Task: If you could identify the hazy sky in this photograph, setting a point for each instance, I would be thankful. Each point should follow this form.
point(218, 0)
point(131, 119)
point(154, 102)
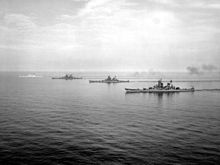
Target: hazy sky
point(159, 35)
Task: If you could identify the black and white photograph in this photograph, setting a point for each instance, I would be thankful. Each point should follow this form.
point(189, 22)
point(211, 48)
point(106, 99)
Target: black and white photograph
point(109, 82)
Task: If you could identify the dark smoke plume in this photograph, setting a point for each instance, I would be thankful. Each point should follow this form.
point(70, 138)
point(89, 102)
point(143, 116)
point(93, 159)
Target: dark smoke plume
point(193, 70)
point(209, 67)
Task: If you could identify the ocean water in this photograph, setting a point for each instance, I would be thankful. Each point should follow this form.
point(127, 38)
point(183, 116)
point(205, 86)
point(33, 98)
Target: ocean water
point(45, 121)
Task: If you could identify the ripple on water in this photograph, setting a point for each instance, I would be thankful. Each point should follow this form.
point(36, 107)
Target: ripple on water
point(63, 123)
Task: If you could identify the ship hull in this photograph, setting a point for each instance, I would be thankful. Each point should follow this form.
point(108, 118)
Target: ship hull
point(104, 81)
point(130, 90)
point(63, 78)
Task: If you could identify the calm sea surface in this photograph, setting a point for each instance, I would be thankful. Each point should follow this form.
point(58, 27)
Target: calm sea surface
point(45, 121)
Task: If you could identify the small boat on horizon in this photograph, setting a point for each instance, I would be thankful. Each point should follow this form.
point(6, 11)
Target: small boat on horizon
point(67, 77)
point(160, 88)
point(109, 80)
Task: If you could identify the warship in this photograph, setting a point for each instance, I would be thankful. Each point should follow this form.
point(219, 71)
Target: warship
point(109, 80)
point(160, 88)
point(67, 77)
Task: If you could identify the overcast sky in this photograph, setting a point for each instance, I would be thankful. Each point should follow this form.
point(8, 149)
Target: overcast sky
point(159, 35)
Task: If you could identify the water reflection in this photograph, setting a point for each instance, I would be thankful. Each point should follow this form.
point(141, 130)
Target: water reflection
point(161, 96)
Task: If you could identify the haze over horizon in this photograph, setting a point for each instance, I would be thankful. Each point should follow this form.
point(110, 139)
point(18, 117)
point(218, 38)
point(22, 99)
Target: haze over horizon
point(124, 35)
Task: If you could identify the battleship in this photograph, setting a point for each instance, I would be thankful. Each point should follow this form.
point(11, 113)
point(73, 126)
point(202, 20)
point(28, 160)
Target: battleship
point(109, 80)
point(160, 88)
point(67, 77)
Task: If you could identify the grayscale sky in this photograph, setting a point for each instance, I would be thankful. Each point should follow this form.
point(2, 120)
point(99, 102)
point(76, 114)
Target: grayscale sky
point(126, 35)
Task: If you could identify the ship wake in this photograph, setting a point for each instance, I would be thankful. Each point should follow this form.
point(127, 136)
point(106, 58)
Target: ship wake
point(214, 89)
